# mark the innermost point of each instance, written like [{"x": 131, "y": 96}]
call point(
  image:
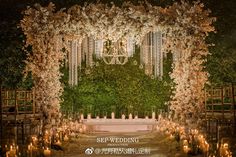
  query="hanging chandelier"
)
[{"x": 115, "y": 52}]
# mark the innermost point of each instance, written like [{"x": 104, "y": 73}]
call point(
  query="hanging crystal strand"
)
[
  {"x": 82, "y": 49},
  {"x": 151, "y": 53},
  {"x": 155, "y": 54},
  {"x": 72, "y": 63},
  {"x": 146, "y": 54},
  {"x": 124, "y": 46},
  {"x": 79, "y": 50},
  {"x": 141, "y": 52},
  {"x": 75, "y": 57},
  {"x": 160, "y": 55},
  {"x": 69, "y": 48},
  {"x": 149, "y": 63},
  {"x": 88, "y": 54},
  {"x": 91, "y": 50},
  {"x": 130, "y": 46},
  {"x": 163, "y": 37},
  {"x": 86, "y": 50},
  {"x": 97, "y": 53},
  {"x": 102, "y": 46}
]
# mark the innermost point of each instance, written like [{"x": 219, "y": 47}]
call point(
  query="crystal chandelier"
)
[{"x": 115, "y": 52}]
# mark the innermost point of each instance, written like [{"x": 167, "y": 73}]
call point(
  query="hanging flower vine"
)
[{"x": 184, "y": 25}]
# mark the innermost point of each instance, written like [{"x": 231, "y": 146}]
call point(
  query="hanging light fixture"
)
[{"x": 115, "y": 52}]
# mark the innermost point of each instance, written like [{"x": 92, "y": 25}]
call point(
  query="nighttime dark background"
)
[{"x": 221, "y": 64}]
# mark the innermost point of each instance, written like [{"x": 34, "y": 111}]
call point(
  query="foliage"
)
[
  {"x": 12, "y": 57},
  {"x": 126, "y": 87},
  {"x": 221, "y": 63}
]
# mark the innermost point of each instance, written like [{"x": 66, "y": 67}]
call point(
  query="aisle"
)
[{"x": 134, "y": 144}]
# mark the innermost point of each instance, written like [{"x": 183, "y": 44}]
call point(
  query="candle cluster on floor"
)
[
  {"x": 46, "y": 141},
  {"x": 225, "y": 151},
  {"x": 192, "y": 140},
  {"x": 12, "y": 150}
]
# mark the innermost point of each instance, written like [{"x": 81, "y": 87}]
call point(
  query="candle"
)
[
  {"x": 82, "y": 116},
  {"x": 185, "y": 142},
  {"x": 66, "y": 138},
  {"x": 205, "y": 146},
  {"x": 226, "y": 145},
  {"x": 153, "y": 115},
  {"x": 89, "y": 116},
  {"x": 186, "y": 149},
  {"x": 112, "y": 115},
  {"x": 130, "y": 116},
  {"x": 47, "y": 152},
  {"x": 123, "y": 116},
  {"x": 11, "y": 152},
  {"x": 58, "y": 142},
  {"x": 171, "y": 136},
  {"x": 30, "y": 146}
]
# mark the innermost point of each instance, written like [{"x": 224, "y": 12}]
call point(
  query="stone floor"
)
[{"x": 101, "y": 144}]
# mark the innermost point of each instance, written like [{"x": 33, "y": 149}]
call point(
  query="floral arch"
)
[{"x": 180, "y": 29}]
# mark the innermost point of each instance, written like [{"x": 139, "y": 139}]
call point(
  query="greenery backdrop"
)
[{"x": 120, "y": 88}]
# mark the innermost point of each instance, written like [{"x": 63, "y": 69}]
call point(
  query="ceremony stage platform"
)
[{"x": 119, "y": 125}]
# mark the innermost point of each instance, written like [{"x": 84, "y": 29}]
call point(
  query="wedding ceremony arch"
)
[{"x": 108, "y": 32}]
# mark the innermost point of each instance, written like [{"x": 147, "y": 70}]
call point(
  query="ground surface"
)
[{"x": 148, "y": 144}]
